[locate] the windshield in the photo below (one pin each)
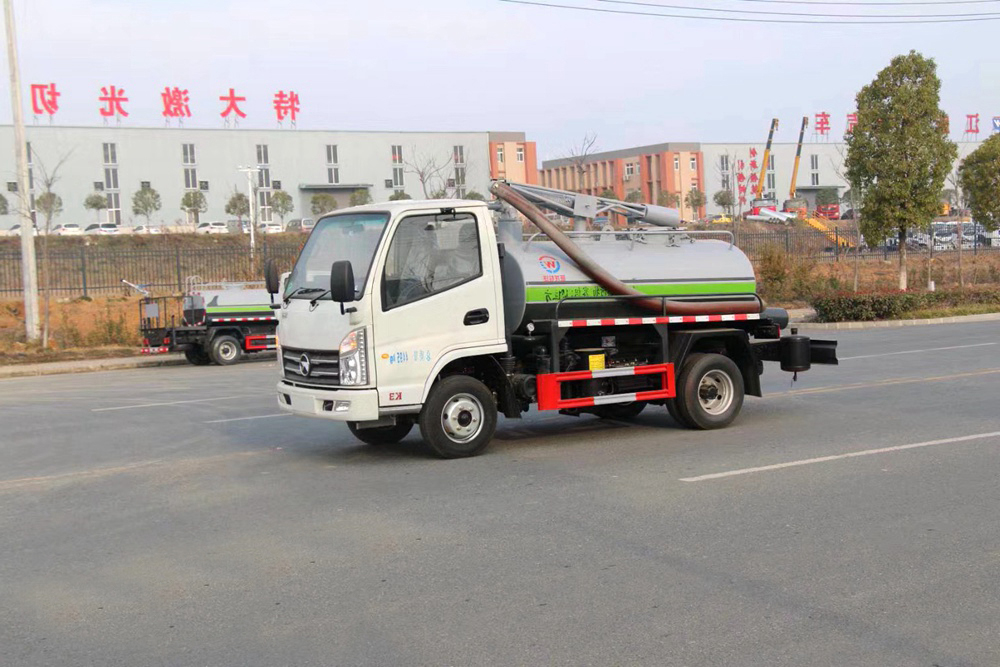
(353, 237)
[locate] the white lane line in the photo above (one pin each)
(929, 349)
(240, 419)
(884, 383)
(156, 405)
(837, 457)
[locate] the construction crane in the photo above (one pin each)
(758, 204)
(794, 204)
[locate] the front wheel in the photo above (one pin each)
(197, 356)
(381, 435)
(709, 391)
(226, 350)
(459, 417)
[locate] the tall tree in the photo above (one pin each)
(827, 196)
(398, 196)
(49, 204)
(193, 203)
(146, 202)
(668, 199)
(608, 193)
(96, 202)
(695, 199)
(979, 177)
(238, 205)
(899, 153)
(360, 197)
(724, 199)
(4, 208)
(578, 156)
(322, 202)
(281, 204)
(633, 196)
(472, 194)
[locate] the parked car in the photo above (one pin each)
(68, 229)
(16, 230)
(719, 219)
(308, 224)
(146, 229)
(213, 227)
(269, 228)
(103, 228)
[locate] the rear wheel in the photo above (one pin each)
(226, 350)
(709, 391)
(459, 417)
(675, 413)
(381, 435)
(197, 356)
(620, 410)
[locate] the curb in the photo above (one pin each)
(888, 324)
(89, 366)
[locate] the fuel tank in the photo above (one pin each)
(537, 275)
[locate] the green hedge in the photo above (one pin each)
(890, 305)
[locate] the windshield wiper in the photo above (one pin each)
(312, 304)
(302, 290)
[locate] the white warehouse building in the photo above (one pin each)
(117, 161)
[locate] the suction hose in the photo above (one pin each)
(599, 275)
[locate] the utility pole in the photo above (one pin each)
(250, 171)
(29, 269)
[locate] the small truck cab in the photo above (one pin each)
(412, 313)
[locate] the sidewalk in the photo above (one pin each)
(800, 318)
(89, 365)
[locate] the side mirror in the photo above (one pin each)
(271, 279)
(342, 282)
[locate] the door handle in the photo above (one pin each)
(477, 316)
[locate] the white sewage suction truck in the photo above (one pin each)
(427, 313)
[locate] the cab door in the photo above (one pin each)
(437, 299)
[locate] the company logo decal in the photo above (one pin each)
(549, 264)
(305, 366)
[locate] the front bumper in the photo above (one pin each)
(348, 405)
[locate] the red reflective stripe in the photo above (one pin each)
(550, 386)
(606, 322)
(635, 320)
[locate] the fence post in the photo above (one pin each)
(836, 240)
(83, 268)
(180, 278)
(788, 242)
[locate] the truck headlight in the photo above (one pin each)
(354, 359)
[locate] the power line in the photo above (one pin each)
(736, 19)
(873, 3)
(810, 14)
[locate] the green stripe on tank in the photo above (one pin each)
(556, 292)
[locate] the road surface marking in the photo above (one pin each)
(929, 349)
(194, 400)
(240, 419)
(837, 457)
(884, 383)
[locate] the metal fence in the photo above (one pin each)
(92, 270)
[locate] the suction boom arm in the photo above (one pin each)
(577, 205)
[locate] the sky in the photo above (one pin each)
(489, 65)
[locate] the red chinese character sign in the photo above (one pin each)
(232, 106)
(44, 99)
(175, 103)
(286, 105)
(821, 128)
(852, 120)
(112, 98)
(971, 126)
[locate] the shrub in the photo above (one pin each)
(785, 277)
(888, 305)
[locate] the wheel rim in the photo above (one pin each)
(228, 350)
(462, 418)
(715, 392)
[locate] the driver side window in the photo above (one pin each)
(430, 254)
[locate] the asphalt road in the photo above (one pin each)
(165, 516)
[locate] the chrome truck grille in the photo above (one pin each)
(319, 367)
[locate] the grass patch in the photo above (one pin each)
(955, 311)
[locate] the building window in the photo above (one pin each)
(264, 199)
(814, 179)
(725, 181)
(331, 154)
(397, 155)
(190, 178)
(333, 174)
(111, 178)
(677, 163)
(110, 154)
(500, 153)
(520, 153)
(724, 163)
(814, 162)
(770, 162)
(458, 154)
(262, 157)
(694, 163)
(114, 208)
(188, 153)
(629, 171)
(31, 179)
(770, 180)
(459, 182)
(264, 178)
(397, 177)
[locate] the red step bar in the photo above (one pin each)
(550, 387)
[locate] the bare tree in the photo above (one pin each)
(578, 155)
(841, 171)
(431, 172)
(50, 205)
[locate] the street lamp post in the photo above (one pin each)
(250, 171)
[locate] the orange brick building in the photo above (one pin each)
(513, 158)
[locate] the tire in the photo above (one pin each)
(226, 350)
(709, 391)
(675, 413)
(196, 355)
(459, 417)
(620, 410)
(382, 435)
